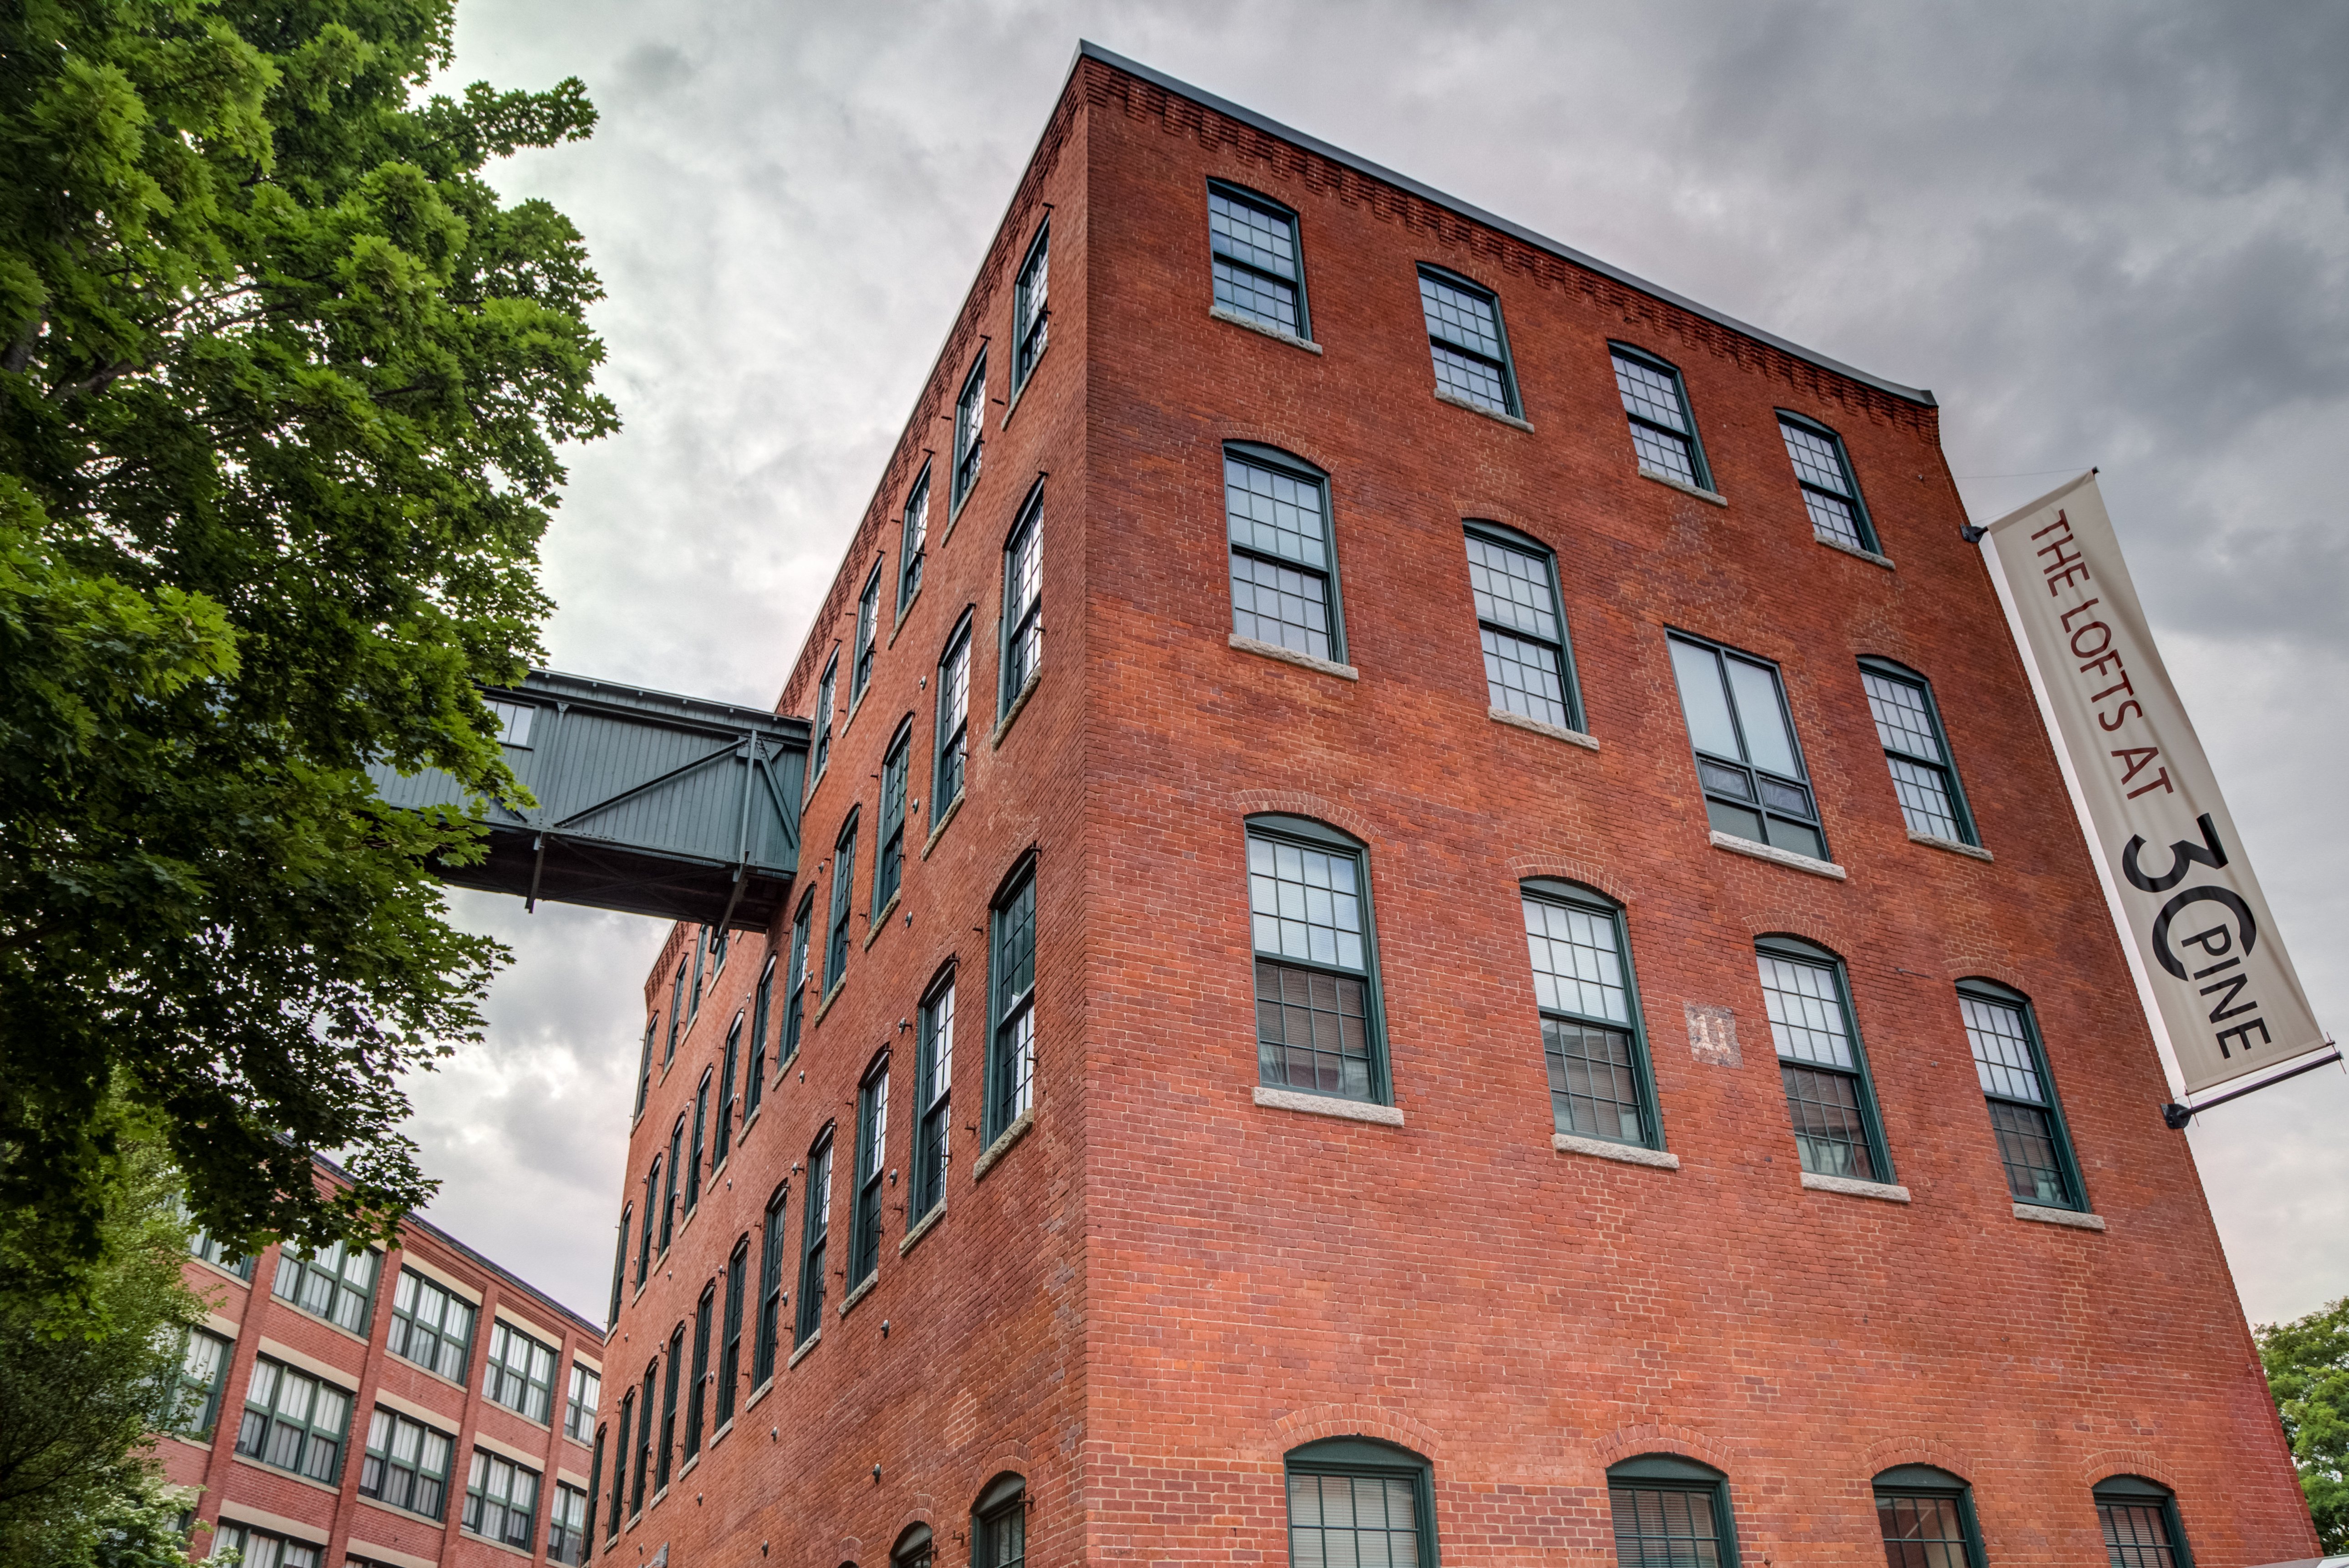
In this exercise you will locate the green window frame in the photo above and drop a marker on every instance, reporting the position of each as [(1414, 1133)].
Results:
[(1032, 313), (1315, 944), (433, 1326), (260, 1548), (676, 1013), (1594, 1039), (201, 1244), (999, 1524), (729, 1351), (1257, 258), (815, 1239), (721, 1133), (1830, 489), (869, 633), (700, 1142), (933, 1099), (1468, 343), (644, 1406), (1926, 1517), (519, 1372), (1749, 761), (668, 1184), (1671, 1511), (1521, 626), (795, 984), (583, 1392), (192, 1389), (951, 745), (1663, 426), (889, 860), (1358, 1500), (620, 1265), (844, 902), (566, 1525), (1023, 600), (1012, 991), (335, 1282), (501, 1500), (2141, 1523), (1830, 1096), (1284, 552), (771, 1294), (672, 1370), (645, 1062), (871, 1165), (406, 1464), (762, 1013), (696, 1393), (1916, 751), (826, 692), (595, 1490), (2026, 1116), (294, 1422), (969, 436), (917, 1548), (914, 546), (644, 1235)]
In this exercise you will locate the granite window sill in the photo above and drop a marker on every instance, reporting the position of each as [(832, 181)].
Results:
[(1715, 497), (1455, 401), (860, 1293), (1972, 852), (880, 923), (1274, 333), (1788, 858), (1002, 1144), (1855, 551), (928, 1222), (1555, 731), (937, 828), (810, 1343), (1629, 1153), (2073, 1218), (1292, 656), (1850, 1188), (1329, 1105), (1019, 706)]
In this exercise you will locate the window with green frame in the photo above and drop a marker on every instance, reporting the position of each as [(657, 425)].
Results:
[(192, 1394), (407, 1463), (1360, 1500), (815, 1239), (202, 1246), (1916, 750), (1747, 761), (950, 742), (969, 435), (889, 860), (519, 1372), (1830, 489), (1011, 985), (336, 1282), (1521, 625), (795, 981), (1284, 553), (1663, 427), (1031, 316), (259, 1549), (1466, 339), (501, 1500), (916, 543), (2140, 1522), (1670, 1512), (1317, 993), (1023, 600), (1601, 1083), (868, 632), (1256, 259), (1926, 1517), (2033, 1144), (1829, 1096), (432, 1326), (871, 1162), (294, 1422), (999, 1520), (826, 694), (586, 1387), (933, 1099)]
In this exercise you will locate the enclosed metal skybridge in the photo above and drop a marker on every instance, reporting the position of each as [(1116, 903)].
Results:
[(649, 803)]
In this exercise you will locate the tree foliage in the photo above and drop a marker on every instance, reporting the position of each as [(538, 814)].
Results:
[(282, 386), (2307, 1363)]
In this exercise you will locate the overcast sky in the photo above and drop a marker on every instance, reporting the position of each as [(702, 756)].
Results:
[(2109, 234)]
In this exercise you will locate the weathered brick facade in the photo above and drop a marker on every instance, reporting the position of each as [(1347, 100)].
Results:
[(1166, 1286)]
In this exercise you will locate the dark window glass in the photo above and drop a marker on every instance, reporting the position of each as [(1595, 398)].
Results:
[(696, 1398), (620, 1265), (933, 1103), (721, 1133), (676, 1013), (1253, 249), (1663, 431), (701, 962), (1310, 914), (1667, 1526), (644, 1437), (645, 1065), (1747, 759), (700, 1135), (519, 1372), (566, 1525), (1918, 753), (501, 1501), (889, 865), (202, 1246), (729, 1355), (669, 1184), (1031, 320), (2136, 1535), (953, 722), (1527, 669), (770, 1287), (407, 1464), (969, 431), (1284, 569), (1820, 1062), (431, 1326), (2012, 1070), (1830, 493), (872, 1142), (1464, 333), (916, 544), (1582, 985), (595, 1487), (844, 877), (670, 1380), (1001, 1540), (620, 1464), (796, 986), (1023, 600), (192, 1399), (868, 629), (1923, 1530), (815, 1232), (259, 1549), (645, 1236), (294, 1422), (763, 1006), (1011, 1044), (824, 692), (1343, 1518), (336, 1282)]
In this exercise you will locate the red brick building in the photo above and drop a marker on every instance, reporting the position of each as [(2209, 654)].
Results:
[(419, 1407), (1434, 922)]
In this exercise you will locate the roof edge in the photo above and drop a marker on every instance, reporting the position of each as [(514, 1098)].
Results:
[(1087, 49)]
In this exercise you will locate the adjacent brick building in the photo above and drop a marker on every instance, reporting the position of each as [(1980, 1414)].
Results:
[(1435, 919), (416, 1408)]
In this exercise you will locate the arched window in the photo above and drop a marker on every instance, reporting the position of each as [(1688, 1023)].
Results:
[(1317, 1005), (872, 1145), (1671, 1510), (1830, 489), (915, 1549), (1023, 600), (729, 1355), (668, 1183), (1926, 1517), (889, 866), (1012, 976), (1663, 427), (1358, 1500), (1465, 337), (1829, 1096), (933, 1099), (1593, 1040), (697, 1395), (951, 743), (916, 541), (998, 1523), (670, 1377), (844, 879), (2033, 1145), (2141, 1523), (816, 1234), (1521, 626), (1284, 553), (770, 1285)]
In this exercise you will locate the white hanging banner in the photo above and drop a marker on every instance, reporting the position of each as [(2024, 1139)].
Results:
[(2217, 967)]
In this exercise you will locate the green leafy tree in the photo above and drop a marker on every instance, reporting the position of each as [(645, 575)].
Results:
[(282, 386), (2307, 1362)]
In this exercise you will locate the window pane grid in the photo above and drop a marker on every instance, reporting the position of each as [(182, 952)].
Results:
[(407, 1464), (2136, 1535), (1251, 235), (1577, 967), (294, 1422), (872, 1133), (1924, 796), (2004, 1059), (1352, 1522), (1312, 1030), (1664, 1528), (868, 623), (1831, 1134), (889, 869), (1921, 1531), (1660, 424), (953, 724), (970, 419), (1807, 1019), (1594, 1085), (1834, 517), (1033, 322), (519, 1373), (933, 1095), (815, 1232), (336, 1282), (1474, 380), (1023, 589), (916, 543), (1274, 513), (1281, 606), (823, 702), (1915, 753), (1305, 904), (501, 1500), (1011, 1073), (429, 1326)]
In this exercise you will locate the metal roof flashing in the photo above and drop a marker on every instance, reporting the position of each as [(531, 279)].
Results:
[(1087, 49)]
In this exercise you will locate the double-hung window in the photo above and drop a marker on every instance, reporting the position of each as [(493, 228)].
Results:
[(762, 1008), (1258, 263), (620, 1464), (697, 1395), (520, 1374), (669, 1183), (1670, 1512), (336, 1282), (579, 1402), (889, 865), (1529, 666), (2141, 1523), (1830, 491), (954, 721), (1820, 1063), (815, 1232), (566, 1526), (1926, 1517), (969, 433), (2033, 1143), (729, 1351), (676, 1013), (700, 1142), (619, 1266), (259, 1549), (1916, 750), (872, 1140), (645, 1236), (1284, 557), (433, 1326), (1317, 1010), (844, 877), (201, 1244), (1599, 1082), (1464, 336), (1031, 317), (999, 1520), (721, 1136), (1011, 1044), (407, 1463), (916, 543), (796, 983), (771, 1286), (825, 691), (1358, 1501), (675, 1364), (645, 1436), (1023, 600), (1664, 430), (294, 1421), (932, 1102), (192, 1399), (868, 628), (595, 1490), (1746, 757), (645, 1063), (501, 1500)]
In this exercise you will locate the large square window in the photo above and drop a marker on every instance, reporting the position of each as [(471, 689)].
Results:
[(1746, 757)]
